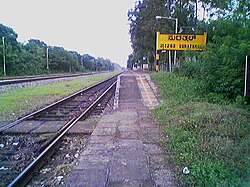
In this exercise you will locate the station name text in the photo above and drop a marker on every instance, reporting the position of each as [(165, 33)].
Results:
[(185, 38), (181, 46)]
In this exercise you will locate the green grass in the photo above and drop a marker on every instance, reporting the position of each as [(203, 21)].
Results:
[(212, 140), (18, 101)]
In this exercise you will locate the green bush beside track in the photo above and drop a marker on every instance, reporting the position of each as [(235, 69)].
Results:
[(212, 140)]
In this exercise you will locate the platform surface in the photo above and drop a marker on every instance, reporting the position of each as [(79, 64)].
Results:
[(124, 147)]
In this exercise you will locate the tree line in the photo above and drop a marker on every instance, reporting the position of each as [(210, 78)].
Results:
[(220, 67), (36, 57)]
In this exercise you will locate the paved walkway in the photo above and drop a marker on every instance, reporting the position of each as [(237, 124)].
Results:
[(123, 149)]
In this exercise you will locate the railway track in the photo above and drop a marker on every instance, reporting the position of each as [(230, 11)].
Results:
[(69, 111), (17, 80)]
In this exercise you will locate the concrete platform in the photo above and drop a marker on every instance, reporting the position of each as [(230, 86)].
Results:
[(123, 149)]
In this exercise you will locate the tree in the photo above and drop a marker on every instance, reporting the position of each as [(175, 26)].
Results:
[(143, 25), (88, 62), (221, 66), (30, 58), (10, 44)]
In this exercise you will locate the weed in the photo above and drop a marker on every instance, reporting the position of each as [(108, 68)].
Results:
[(212, 140)]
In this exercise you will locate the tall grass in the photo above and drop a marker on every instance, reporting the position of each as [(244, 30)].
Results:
[(212, 140)]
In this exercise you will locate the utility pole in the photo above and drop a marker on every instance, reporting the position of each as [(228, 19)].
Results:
[(47, 57), (176, 30), (4, 65), (4, 58), (247, 79)]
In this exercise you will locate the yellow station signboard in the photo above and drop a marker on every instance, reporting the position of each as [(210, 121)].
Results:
[(181, 41)]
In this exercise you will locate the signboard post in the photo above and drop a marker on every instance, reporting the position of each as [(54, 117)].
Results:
[(157, 61), (180, 42)]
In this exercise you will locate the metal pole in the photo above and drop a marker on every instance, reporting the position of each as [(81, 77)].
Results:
[(156, 54), (169, 61), (246, 71), (169, 52), (4, 65), (176, 30), (47, 57)]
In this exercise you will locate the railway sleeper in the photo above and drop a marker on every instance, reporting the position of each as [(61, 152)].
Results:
[(69, 107), (83, 100), (60, 112), (54, 116), (52, 119)]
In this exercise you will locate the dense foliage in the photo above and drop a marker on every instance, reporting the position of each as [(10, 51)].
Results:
[(220, 67), (30, 58)]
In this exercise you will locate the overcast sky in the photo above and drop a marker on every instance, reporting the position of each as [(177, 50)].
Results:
[(99, 28)]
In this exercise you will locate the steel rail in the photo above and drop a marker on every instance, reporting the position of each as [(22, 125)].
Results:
[(53, 105), (31, 79), (24, 177)]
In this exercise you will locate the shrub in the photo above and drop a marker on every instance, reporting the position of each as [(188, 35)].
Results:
[(212, 140)]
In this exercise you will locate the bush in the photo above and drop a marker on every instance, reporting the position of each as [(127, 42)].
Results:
[(220, 67), (212, 140)]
